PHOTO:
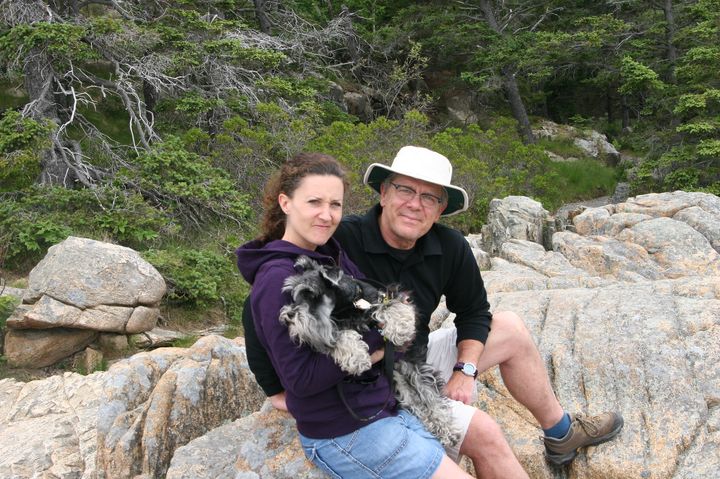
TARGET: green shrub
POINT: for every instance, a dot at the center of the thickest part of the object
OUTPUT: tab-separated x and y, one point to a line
21	143
7	306
578	180
492	163
199	278
33	220
186	185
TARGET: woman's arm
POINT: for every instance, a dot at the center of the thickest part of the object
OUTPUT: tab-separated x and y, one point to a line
302	371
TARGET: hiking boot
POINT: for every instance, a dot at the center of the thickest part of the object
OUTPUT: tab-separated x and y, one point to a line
584	431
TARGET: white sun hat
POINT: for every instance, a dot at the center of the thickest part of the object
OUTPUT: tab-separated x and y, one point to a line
422	164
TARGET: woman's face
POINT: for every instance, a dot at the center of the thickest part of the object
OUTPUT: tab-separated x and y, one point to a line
314	210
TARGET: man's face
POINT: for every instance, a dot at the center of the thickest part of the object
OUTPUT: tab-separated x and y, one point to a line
406	217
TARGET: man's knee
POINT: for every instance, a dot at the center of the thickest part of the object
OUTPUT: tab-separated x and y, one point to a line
511	327
483	435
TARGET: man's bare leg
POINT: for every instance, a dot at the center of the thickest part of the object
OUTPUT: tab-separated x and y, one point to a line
448	469
511	347
489	451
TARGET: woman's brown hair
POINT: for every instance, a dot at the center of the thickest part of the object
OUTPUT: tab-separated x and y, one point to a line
286	181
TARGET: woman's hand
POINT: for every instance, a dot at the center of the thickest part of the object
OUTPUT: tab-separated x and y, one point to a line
377	355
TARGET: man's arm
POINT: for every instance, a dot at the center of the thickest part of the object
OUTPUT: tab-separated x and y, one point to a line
257	357
472	318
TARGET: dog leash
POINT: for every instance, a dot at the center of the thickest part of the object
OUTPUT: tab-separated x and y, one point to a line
388	368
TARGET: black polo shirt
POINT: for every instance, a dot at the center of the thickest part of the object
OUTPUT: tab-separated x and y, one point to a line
441	263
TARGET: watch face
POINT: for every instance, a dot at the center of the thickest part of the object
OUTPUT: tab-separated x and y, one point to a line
469	369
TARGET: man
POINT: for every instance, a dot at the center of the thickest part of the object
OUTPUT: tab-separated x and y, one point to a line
400	241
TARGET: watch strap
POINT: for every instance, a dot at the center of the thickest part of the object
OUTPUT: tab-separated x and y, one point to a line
460	366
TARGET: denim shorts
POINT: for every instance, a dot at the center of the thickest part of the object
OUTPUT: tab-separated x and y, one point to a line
394	447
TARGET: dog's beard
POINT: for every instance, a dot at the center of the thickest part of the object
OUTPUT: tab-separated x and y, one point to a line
314	328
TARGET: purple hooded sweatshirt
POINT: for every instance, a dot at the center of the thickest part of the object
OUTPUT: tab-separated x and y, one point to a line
310	379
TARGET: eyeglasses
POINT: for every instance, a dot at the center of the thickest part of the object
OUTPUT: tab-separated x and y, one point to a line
406	193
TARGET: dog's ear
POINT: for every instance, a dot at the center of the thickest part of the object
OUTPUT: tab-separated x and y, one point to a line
306	264
332	276
308	285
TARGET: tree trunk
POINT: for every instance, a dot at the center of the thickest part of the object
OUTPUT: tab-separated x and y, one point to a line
150	95
39	78
670	39
517	106
261	15
61	163
625	113
609	104
509	82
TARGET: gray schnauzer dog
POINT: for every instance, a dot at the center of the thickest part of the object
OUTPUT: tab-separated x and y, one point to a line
329	313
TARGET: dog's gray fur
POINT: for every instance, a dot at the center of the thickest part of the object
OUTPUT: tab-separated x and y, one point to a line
324	317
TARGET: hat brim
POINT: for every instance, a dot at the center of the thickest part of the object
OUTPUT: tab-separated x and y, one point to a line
457	197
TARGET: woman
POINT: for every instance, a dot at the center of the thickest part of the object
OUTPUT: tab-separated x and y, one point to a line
369	436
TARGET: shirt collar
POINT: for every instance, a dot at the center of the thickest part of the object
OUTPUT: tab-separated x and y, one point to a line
374	243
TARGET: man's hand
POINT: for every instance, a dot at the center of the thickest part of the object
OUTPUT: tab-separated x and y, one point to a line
278	401
460	387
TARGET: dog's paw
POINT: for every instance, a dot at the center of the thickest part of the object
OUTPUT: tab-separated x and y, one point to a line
397	320
351	353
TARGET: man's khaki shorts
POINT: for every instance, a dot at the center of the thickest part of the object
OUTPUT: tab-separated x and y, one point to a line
442	356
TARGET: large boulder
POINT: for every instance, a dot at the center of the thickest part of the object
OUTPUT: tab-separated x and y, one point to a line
48	427
128	421
80	288
27	348
87	273
514	217
156	401
647	349
228	452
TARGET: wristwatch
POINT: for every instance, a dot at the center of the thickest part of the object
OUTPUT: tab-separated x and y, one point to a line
468	369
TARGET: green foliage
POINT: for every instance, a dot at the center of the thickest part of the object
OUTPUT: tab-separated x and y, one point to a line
180	182
21	143
35	219
234	51
695	102
709	148
489	164
193	276
195	104
638	78
61	41
356	146
582	179
200	278
564	147
7	306
681	179
492	163
282	87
